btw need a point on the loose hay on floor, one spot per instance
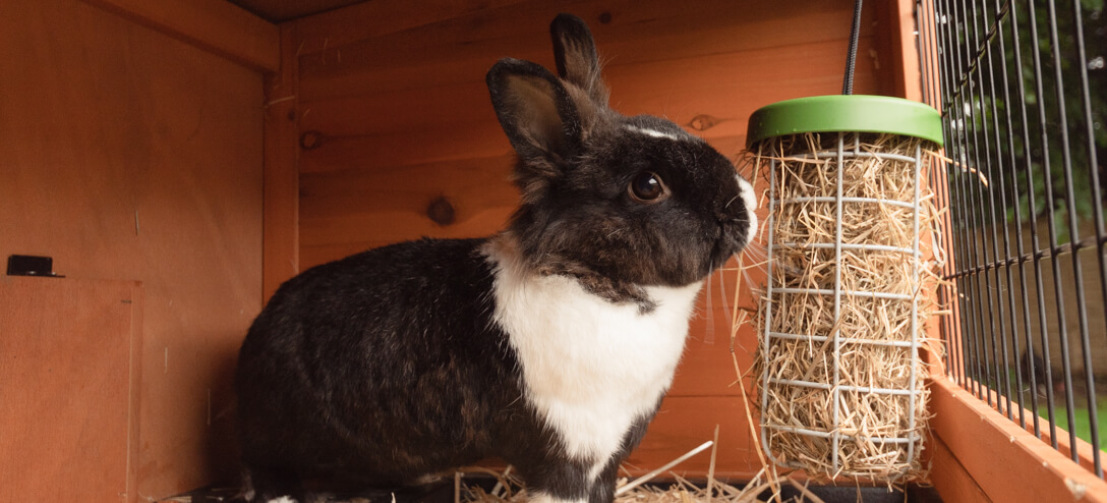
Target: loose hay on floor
(509, 489)
(843, 317)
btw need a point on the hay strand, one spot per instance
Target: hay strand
(842, 318)
(666, 467)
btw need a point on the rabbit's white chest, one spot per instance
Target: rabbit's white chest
(590, 367)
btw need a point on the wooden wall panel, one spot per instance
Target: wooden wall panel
(685, 422)
(281, 247)
(68, 389)
(128, 154)
(949, 477)
(387, 100)
(215, 25)
(395, 114)
(361, 53)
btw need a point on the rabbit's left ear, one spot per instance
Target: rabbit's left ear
(575, 54)
(535, 110)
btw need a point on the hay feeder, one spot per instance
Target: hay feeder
(843, 311)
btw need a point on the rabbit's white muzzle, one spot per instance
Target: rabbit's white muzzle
(749, 199)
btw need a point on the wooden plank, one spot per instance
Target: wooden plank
(634, 32)
(128, 154)
(214, 25)
(281, 232)
(896, 49)
(1084, 450)
(949, 477)
(1030, 470)
(471, 186)
(135, 365)
(432, 144)
(907, 72)
(68, 352)
(715, 85)
(951, 338)
(375, 19)
(402, 110)
(928, 53)
(729, 87)
(686, 422)
(380, 129)
(393, 204)
(279, 11)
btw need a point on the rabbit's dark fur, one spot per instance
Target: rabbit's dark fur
(549, 345)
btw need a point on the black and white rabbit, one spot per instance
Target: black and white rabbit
(548, 345)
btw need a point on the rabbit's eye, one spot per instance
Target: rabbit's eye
(647, 188)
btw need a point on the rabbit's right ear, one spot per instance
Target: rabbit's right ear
(537, 113)
(576, 57)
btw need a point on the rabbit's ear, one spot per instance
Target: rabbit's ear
(575, 53)
(537, 113)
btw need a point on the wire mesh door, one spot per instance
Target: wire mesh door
(1023, 91)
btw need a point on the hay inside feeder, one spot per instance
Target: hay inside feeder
(842, 318)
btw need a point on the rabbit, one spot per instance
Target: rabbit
(548, 345)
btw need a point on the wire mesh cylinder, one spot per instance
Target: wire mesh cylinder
(843, 311)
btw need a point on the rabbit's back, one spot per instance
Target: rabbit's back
(390, 347)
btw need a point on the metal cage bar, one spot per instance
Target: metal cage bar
(1012, 80)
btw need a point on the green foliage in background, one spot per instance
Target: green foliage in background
(1047, 145)
(1033, 137)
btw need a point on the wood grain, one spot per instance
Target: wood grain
(281, 199)
(216, 25)
(379, 18)
(949, 477)
(685, 422)
(128, 154)
(68, 380)
(1005, 461)
(409, 127)
(441, 51)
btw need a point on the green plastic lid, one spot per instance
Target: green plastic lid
(866, 114)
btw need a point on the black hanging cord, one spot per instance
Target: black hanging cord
(851, 58)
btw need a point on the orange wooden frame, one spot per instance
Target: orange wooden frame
(977, 453)
(988, 454)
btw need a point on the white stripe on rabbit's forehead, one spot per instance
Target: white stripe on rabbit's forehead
(659, 134)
